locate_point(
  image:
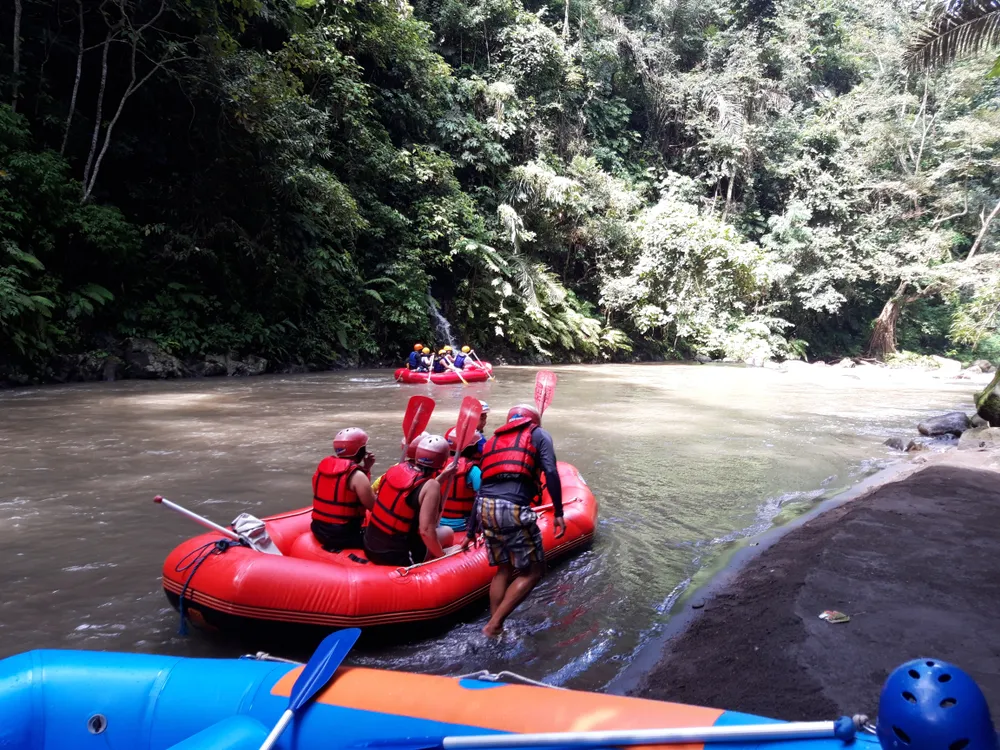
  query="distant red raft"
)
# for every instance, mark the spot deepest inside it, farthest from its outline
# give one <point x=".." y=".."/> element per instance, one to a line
<point x="307" y="585"/>
<point x="472" y="374"/>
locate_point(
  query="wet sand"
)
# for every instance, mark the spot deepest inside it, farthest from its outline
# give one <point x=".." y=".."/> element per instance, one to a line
<point x="915" y="563"/>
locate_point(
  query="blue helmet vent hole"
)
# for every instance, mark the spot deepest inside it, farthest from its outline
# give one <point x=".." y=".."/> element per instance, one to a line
<point x="944" y="678"/>
<point x="901" y="735"/>
<point x="914" y="674"/>
<point x="909" y="697"/>
<point x="930" y="664"/>
<point x="948" y="702"/>
<point x="958" y="745"/>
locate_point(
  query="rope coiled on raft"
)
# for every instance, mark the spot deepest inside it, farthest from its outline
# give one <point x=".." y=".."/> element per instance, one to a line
<point x="200" y="554"/>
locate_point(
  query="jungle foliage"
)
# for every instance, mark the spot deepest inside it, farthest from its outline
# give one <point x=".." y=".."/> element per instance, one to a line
<point x="575" y="179"/>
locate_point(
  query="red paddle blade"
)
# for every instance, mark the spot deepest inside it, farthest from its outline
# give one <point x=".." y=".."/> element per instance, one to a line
<point x="545" y="389"/>
<point x="418" y="415"/>
<point x="468" y="420"/>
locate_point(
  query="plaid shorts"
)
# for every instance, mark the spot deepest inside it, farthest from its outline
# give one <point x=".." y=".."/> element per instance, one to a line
<point x="511" y="533"/>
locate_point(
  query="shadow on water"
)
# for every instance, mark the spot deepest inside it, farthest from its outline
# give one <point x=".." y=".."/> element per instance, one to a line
<point x="685" y="461"/>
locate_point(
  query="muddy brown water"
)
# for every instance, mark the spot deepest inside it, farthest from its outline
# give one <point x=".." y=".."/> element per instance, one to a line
<point x="686" y="461"/>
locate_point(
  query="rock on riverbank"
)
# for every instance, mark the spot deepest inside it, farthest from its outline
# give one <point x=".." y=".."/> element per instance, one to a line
<point x="916" y="563"/>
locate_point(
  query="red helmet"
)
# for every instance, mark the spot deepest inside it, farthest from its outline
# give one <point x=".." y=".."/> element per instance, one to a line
<point x="418" y="347"/>
<point x="432" y="452"/>
<point x="348" y="442"/>
<point x="524" y="411"/>
<point x="451" y="436"/>
<point x="411" y="449"/>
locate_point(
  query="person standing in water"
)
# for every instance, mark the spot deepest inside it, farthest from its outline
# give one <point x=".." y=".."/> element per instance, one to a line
<point x="514" y="461"/>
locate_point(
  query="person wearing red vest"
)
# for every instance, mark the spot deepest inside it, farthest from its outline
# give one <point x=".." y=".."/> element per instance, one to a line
<point x="402" y="529"/>
<point x="514" y="461"/>
<point x="459" y="492"/>
<point x="341" y="492"/>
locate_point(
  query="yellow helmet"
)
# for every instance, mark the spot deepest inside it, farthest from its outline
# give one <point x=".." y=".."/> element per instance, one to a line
<point x="447" y="348"/>
<point x="425" y="351"/>
<point x="466" y="350"/>
<point x="441" y="351"/>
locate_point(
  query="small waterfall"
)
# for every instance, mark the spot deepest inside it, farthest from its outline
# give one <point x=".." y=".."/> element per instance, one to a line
<point x="442" y="328"/>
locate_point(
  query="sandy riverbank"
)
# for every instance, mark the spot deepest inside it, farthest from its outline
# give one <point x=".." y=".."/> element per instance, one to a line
<point x="915" y="562"/>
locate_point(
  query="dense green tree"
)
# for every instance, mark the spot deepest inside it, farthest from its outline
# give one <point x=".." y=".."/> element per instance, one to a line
<point x="579" y="179"/>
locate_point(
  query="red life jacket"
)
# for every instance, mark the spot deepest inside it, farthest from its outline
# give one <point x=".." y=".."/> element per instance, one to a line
<point x="510" y="454"/>
<point x="392" y="514"/>
<point x="458" y="494"/>
<point x="334" y="502"/>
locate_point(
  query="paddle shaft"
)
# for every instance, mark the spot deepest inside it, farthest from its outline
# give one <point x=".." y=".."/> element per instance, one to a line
<point x="457" y="372"/>
<point x="196" y="518"/>
<point x="476" y="357"/>
<point x="743" y="733"/>
<point x="278" y="729"/>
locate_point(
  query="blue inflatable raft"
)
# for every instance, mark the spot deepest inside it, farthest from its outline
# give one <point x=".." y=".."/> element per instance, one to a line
<point x="56" y="700"/>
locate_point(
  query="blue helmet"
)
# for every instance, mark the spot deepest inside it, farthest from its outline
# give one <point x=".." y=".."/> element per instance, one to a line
<point x="928" y="704"/>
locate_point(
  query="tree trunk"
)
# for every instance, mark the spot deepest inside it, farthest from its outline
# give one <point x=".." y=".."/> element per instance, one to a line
<point x="982" y="232"/>
<point x="76" y="81"/>
<point x="566" y="22"/>
<point x="883" y="339"/>
<point x="100" y="111"/>
<point x="16" y="75"/>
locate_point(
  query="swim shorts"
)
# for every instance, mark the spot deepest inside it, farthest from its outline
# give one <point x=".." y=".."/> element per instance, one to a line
<point x="511" y="533"/>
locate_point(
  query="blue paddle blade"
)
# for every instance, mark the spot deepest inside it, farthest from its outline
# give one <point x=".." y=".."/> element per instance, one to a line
<point x="322" y="665"/>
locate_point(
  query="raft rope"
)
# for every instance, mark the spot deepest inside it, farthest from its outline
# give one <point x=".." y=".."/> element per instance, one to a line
<point x="483" y="675"/>
<point x="264" y="656"/>
<point x="199" y="556"/>
<point x="486" y="676"/>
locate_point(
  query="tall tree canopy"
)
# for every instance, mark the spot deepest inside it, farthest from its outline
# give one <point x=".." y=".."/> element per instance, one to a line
<point x="579" y="179"/>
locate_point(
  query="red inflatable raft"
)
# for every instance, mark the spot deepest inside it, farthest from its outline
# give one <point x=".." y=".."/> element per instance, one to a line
<point x="472" y="374"/>
<point x="226" y="586"/>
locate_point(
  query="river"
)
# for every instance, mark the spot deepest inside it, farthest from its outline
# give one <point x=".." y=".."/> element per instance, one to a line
<point x="685" y="460"/>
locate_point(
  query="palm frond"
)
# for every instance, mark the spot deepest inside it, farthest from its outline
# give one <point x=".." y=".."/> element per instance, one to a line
<point x="959" y="28"/>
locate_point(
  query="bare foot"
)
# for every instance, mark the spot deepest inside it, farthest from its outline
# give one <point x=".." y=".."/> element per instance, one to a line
<point x="492" y="631"/>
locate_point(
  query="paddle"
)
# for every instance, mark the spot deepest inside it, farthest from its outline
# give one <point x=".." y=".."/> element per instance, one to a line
<point x="468" y="420"/>
<point x="545" y="389"/>
<point x="475" y="356"/>
<point x="160" y="500"/>
<point x="415" y="420"/>
<point x="457" y="372"/>
<point x="843" y="728"/>
<point x="315" y="675"/>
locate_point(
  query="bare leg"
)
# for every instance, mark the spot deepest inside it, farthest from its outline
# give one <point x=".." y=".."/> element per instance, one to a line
<point x="499" y="584"/>
<point x="514" y="595"/>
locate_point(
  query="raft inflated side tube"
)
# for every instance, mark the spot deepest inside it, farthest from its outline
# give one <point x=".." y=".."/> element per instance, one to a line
<point x="47" y="700"/>
<point x="234" y="733"/>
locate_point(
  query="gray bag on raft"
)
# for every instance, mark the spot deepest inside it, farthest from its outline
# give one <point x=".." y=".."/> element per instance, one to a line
<point x="254" y="531"/>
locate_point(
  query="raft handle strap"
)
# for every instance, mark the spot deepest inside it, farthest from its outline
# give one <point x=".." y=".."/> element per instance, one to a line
<point x="264" y="656"/>
<point x="487" y="676"/>
<point x="199" y="556"/>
